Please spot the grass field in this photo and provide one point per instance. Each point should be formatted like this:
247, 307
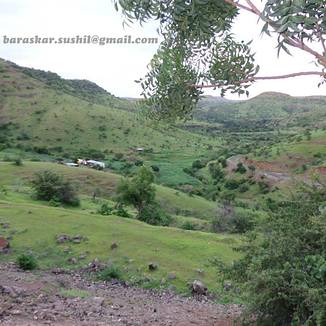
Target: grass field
87, 180
34, 228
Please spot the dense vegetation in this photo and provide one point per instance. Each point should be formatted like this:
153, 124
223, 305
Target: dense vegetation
283, 272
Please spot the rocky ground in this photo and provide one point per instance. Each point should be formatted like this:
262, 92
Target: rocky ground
61, 298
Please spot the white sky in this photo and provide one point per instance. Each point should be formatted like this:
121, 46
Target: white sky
116, 67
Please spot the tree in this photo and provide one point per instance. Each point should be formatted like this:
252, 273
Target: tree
216, 171
283, 270
199, 51
138, 191
51, 187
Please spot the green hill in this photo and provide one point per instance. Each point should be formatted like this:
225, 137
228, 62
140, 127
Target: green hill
42, 113
267, 111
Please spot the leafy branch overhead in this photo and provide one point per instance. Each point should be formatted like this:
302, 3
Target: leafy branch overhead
199, 51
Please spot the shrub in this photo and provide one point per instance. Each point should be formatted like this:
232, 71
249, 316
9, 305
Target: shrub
153, 214
18, 162
283, 269
110, 273
52, 187
155, 168
198, 164
139, 163
26, 262
233, 222
243, 188
105, 209
232, 184
188, 226
120, 211
241, 168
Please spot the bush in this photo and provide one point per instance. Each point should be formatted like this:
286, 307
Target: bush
232, 184
105, 209
283, 269
188, 226
18, 162
241, 168
110, 273
26, 262
49, 186
233, 222
120, 211
153, 214
155, 168
139, 163
198, 164
243, 188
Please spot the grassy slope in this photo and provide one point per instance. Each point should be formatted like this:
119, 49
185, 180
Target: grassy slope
279, 109
35, 226
88, 180
46, 117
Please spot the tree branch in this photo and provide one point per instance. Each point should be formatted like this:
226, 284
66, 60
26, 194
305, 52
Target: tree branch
291, 40
239, 5
244, 81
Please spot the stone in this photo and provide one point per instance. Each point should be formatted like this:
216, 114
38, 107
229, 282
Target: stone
63, 238
172, 276
227, 286
73, 260
200, 271
58, 271
198, 287
114, 245
152, 267
95, 265
4, 244
5, 225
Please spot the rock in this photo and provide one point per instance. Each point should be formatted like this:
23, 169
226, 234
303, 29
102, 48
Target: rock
227, 286
152, 267
172, 276
83, 256
198, 287
66, 250
5, 225
114, 245
63, 238
95, 265
58, 271
8, 291
99, 301
200, 271
172, 288
73, 260
77, 239
4, 245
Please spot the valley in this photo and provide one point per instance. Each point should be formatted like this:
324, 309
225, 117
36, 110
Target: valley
215, 177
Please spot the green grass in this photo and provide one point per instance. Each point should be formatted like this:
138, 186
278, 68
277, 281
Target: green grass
87, 180
74, 293
34, 228
44, 117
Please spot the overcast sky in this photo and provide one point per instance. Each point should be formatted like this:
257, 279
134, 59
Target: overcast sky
115, 67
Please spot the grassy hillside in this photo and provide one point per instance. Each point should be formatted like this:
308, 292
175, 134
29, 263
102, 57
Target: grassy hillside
33, 228
267, 111
40, 112
87, 180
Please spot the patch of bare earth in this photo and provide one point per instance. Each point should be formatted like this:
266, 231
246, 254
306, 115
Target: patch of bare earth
37, 299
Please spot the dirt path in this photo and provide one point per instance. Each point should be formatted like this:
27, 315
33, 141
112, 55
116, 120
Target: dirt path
45, 298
